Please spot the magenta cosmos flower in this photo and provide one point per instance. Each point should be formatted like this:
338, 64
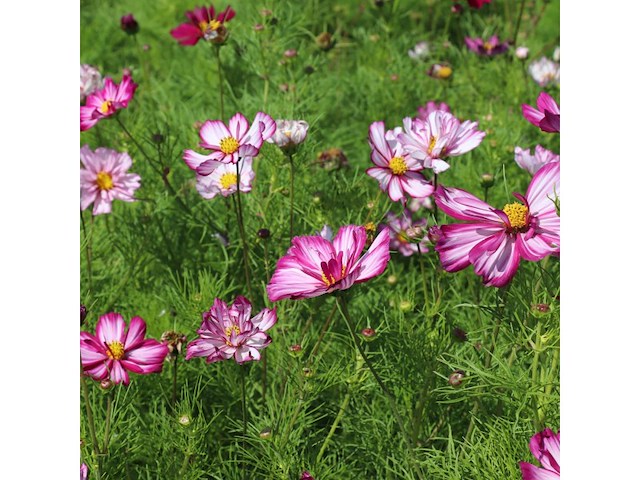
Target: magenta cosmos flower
231, 332
404, 230
546, 116
228, 145
545, 446
486, 47
477, 3
396, 171
533, 163
314, 266
431, 106
495, 240
84, 472
112, 352
224, 179
104, 179
107, 101
442, 135
203, 24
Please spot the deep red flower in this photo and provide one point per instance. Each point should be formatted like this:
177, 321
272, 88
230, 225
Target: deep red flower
203, 24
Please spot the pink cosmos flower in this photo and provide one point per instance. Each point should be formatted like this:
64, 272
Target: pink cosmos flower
224, 179
486, 47
228, 145
545, 446
477, 3
404, 229
431, 106
314, 266
545, 72
228, 332
533, 163
289, 133
112, 351
84, 471
203, 24
107, 101
90, 81
495, 240
306, 476
104, 179
546, 116
396, 172
442, 135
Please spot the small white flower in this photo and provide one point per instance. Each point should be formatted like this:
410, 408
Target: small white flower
289, 133
90, 81
545, 72
522, 53
420, 51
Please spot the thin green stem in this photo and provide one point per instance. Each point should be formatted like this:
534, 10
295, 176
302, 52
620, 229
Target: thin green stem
515, 35
334, 425
88, 250
323, 332
422, 274
290, 155
174, 396
342, 306
216, 49
534, 377
245, 247
107, 428
91, 424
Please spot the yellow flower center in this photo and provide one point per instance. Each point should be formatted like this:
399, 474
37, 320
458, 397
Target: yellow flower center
488, 47
398, 166
229, 145
445, 72
115, 350
228, 179
370, 227
104, 181
212, 25
232, 328
402, 236
517, 214
332, 280
432, 144
106, 105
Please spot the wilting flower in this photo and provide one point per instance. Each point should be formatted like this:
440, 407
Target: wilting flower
289, 133
396, 171
546, 116
314, 266
545, 446
477, 3
403, 233
129, 24
486, 47
84, 471
90, 81
106, 101
332, 159
104, 179
228, 145
533, 163
545, 72
174, 341
420, 51
496, 240
204, 24
224, 179
111, 352
438, 71
431, 106
325, 41
442, 135
228, 332
522, 53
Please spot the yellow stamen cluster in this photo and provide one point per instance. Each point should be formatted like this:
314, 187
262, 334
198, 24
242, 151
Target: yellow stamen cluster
398, 166
104, 181
229, 145
370, 227
432, 144
115, 350
402, 236
228, 180
332, 280
517, 214
106, 105
444, 72
232, 328
212, 25
488, 47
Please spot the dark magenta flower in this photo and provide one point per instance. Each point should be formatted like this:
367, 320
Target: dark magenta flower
546, 117
477, 3
486, 47
129, 24
545, 446
203, 24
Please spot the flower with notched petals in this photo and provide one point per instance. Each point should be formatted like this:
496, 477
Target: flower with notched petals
289, 133
204, 24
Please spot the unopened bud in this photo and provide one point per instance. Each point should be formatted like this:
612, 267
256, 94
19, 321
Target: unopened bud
456, 8
309, 69
455, 379
265, 434
258, 27
405, 305
415, 232
460, 334
83, 314
324, 41
184, 420
295, 350
541, 308
173, 341
129, 24
306, 476
486, 180
290, 53
394, 77
157, 138
392, 279
307, 372
264, 233
434, 234
368, 333
106, 384
522, 53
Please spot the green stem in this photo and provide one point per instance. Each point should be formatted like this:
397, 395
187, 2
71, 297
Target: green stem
88, 250
323, 332
534, 376
174, 397
424, 278
216, 49
435, 205
342, 306
245, 248
290, 155
334, 425
107, 427
515, 35
92, 424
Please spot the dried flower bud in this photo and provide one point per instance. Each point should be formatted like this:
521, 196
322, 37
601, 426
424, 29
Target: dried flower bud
455, 379
368, 333
325, 41
173, 341
265, 433
434, 234
460, 334
83, 314
264, 233
129, 24
332, 159
486, 180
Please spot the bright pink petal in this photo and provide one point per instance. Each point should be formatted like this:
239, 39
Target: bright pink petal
496, 259
532, 115
374, 262
238, 126
212, 132
187, 34
395, 189
382, 175
531, 472
110, 328
136, 333
457, 241
265, 319
544, 189
416, 185
350, 240
546, 102
194, 159
460, 204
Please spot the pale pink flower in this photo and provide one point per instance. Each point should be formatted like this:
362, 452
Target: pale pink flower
90, 81
441, 136
224, 179
396, 172
403, 230
533, 163
105, 102
418, 203
522, 53
546, 116
289, 133
545, 72
495, 240
431, 106
84, 471
420, 51
228, 332
112, 352
545, 447
104, 179
230, 144
314, 266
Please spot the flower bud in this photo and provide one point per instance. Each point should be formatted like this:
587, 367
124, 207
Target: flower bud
307, 372
258, 27
295, 350
129, 24
309, 69
456, 8
265, 433
184, 420
522, 53
455, 379
332, 159
434, 234
368, 334
405, 305
486, 180
83, 314
265, 12
415, 232
394, 77
290, 53
264, 233
324, 41
146, 47
157, 138
460, 334
106, 384
306, 476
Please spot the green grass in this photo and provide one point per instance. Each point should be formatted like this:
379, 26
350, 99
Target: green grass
154, 259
